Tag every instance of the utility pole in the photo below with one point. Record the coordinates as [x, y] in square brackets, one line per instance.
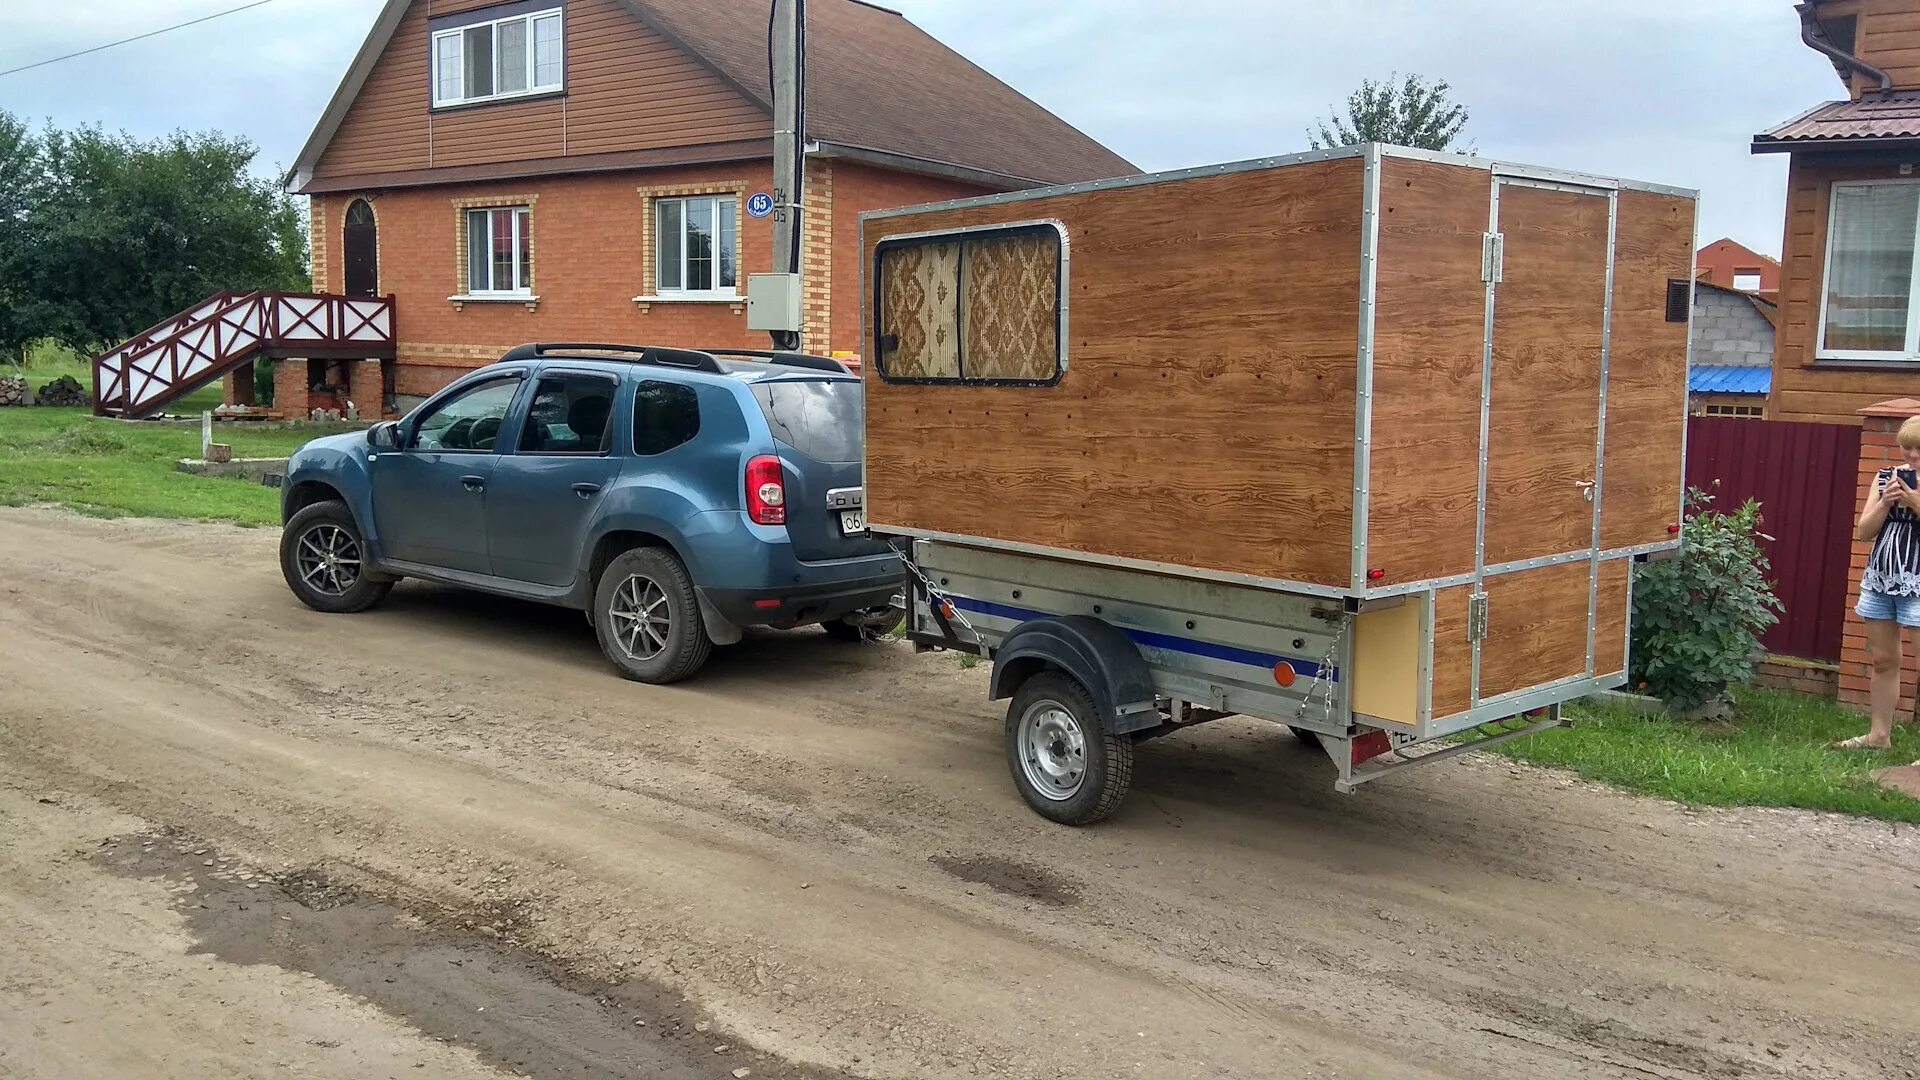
[780, 293]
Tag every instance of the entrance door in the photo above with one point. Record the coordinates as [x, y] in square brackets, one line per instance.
[359, 242]
[1545, 385]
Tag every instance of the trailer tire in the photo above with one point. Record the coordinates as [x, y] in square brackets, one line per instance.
[1065, 762]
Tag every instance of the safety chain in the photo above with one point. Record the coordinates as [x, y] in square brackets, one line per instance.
[1326, 664]
[950, 609]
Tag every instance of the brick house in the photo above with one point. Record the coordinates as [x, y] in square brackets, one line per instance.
[1730, 366]
[583, 170]
[1732, 265]
[1849, 324]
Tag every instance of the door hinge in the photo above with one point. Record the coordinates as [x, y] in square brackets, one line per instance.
[1493, 257]
[1477, 617]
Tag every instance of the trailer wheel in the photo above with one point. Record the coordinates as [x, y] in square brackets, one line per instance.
[1068, 766]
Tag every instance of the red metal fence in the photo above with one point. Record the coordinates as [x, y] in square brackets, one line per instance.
[1803, 476]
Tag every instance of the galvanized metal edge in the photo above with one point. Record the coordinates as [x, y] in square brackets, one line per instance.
[1510, 168]
[1168, 569]
[867, 343]
[1693, 287]
[1423, 674]
[1507, 705]
[1486, 420]
[1139, 180]
[1363, 362]
[1600, 438]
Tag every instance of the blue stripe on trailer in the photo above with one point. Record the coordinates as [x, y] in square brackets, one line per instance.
[1212, 651]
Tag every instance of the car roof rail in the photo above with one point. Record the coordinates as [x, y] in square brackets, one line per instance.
[642, 354]
[789, 359]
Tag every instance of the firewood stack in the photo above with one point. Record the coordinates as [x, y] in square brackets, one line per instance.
[64, 391]
[13, 390]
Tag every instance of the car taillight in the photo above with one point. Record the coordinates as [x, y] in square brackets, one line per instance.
[766, 491]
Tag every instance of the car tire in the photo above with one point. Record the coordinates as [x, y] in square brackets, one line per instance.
[1085, 773]
[323, 558]
[647, 617]
[855, 629]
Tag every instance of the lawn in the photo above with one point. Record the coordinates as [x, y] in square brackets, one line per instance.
[1773, 754]
[114, 468]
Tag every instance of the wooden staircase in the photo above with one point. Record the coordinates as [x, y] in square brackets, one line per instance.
[147, 372]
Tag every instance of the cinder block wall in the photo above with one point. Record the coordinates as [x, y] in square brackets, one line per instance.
[1727, 330]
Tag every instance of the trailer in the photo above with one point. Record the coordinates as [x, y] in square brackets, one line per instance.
[1363, 441]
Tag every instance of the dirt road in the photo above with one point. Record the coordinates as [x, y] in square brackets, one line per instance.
[238, 837]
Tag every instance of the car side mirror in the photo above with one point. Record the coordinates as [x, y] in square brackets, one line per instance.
[384, 435]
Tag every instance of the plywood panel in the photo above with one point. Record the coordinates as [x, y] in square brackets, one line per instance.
[1452, 652]
[1429, 331]
[1610, 617]
[1549, 322]
[1646, 372]
[1536, 628]
[1206, 416]
[627, 88]
[1386, 662]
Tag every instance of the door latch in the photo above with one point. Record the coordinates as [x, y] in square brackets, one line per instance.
[1477, 616]
[1586, 488]
[1493, 257]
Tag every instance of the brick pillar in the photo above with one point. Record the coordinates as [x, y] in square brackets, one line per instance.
[817, 259]
[1879, 449]
[290, 389]
[366, 388]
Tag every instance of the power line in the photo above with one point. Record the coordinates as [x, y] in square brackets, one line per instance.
[138, 37]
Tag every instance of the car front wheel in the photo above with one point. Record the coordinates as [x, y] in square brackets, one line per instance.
[648, 619]
[324, 560]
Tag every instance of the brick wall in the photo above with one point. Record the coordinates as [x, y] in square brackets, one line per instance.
[1879, 449]
[858, 188]
[1811, 677]
[1728, 330]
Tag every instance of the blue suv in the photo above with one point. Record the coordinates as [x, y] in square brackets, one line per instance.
[673, 495]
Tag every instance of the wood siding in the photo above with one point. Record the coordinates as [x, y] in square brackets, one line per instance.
[1536, 628]
[1428, 348]
[1452, 652]
[1646, 372]
[1887, 36]
[1206, 416]
[1803, 388]
[1612, 602]
[627, 88]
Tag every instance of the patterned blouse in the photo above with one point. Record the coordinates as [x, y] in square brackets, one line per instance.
[1894, 566]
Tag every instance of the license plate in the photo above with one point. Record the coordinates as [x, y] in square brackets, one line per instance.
[853, 521]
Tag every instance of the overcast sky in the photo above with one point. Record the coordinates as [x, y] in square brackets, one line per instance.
[1668, 92]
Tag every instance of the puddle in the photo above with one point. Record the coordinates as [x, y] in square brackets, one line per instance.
[459, 979]
[1012, 878]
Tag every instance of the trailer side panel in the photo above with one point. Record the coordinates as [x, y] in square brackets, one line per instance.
[1647, 372]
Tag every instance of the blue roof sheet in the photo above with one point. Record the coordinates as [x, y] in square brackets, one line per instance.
[1719, 379]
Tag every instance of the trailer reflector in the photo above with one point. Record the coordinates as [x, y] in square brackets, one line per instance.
[1370, 745]
[1284, 674]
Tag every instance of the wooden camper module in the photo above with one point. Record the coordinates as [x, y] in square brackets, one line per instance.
[1286, 374]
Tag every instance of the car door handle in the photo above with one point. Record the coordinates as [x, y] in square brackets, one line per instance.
[473, 483]
[585, 490]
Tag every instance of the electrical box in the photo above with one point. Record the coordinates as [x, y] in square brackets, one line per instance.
[773, 302]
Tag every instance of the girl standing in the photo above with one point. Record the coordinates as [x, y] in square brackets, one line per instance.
[1890, 586]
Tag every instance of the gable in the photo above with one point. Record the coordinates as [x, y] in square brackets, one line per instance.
[627, 88]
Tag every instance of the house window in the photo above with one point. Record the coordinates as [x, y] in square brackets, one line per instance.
[1867, 312]
[1748, 412]
[980, 307]
[1746, 280]
[696, 246]
[500, 251]
[498, 58]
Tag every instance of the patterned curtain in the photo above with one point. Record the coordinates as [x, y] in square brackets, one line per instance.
[1010, 307]
[918, 312]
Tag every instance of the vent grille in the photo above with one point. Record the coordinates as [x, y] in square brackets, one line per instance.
[1679, 299]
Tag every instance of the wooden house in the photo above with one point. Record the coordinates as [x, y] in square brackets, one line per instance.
[587, 170]
[1849, 323]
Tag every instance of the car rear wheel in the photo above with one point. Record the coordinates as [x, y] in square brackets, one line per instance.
[323, 558]
[648, 619]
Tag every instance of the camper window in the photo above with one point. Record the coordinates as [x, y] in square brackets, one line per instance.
[971, 306]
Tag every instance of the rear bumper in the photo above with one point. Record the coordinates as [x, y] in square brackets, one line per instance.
[795, 605]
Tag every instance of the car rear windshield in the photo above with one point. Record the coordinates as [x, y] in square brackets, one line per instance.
[820, 418]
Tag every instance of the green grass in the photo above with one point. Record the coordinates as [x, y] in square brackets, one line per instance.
[1772, 754]
[113, 468]
[47, 362]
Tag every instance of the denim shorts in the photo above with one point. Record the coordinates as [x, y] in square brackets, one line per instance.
[1879, 607]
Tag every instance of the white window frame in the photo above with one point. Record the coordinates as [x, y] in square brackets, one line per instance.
[458, 36]
[1756, 278]
[522, 226]
[1911, 352]
[718, 292]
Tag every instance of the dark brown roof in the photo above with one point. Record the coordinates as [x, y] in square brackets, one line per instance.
[1837, 124]
[877, 82]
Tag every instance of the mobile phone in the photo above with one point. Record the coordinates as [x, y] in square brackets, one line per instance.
[1907, 477]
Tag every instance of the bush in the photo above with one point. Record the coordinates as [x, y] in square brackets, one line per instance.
[1697, 618]
[263, 382]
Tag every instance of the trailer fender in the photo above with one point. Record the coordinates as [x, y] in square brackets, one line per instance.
[1095, 653]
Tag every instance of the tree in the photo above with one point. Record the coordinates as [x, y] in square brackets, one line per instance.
[1404, 112]
[124, 233]
[19, 184]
